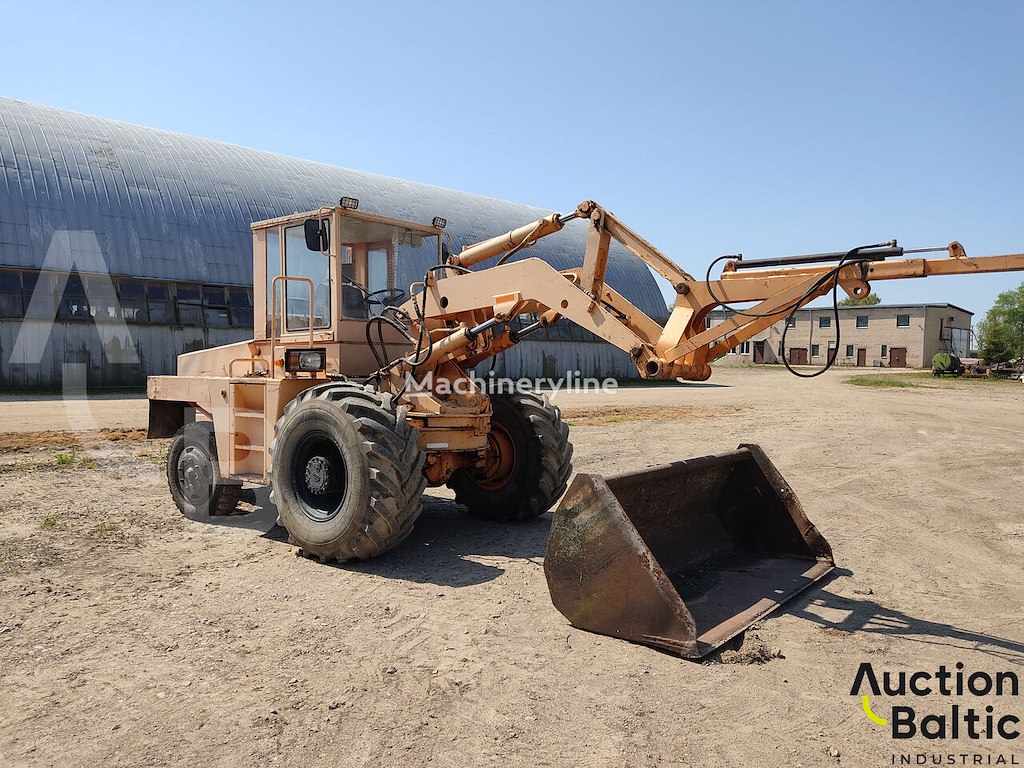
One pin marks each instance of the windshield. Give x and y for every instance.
(371, 253)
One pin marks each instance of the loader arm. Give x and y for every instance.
(467, 311)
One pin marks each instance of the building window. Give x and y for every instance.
(902, 321)
(43, 298)
(132, 295)
(215, 307)
(862, 321)
(885, 350)
(815, 350)
(158, 301)
(745, 348)
(849, 350)
(707, 321)
(11, 304)
(240, 301)
(791, 322)
(190, 305)
(73, 304)
(825, 321)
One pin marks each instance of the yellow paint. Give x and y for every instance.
(871, 715)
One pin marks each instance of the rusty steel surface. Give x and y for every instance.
(682, 556)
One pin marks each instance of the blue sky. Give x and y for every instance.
(767, 128)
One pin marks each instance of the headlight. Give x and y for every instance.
(307, 360)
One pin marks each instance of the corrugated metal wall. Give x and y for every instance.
(173, 207)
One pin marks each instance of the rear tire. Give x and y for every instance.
(530, 460)
(347, 472)
(193, 474)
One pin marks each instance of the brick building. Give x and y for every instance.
(887, 335)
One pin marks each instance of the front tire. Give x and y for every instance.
(347, 472)
(529, 461)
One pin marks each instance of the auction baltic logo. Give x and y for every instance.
(992, 724)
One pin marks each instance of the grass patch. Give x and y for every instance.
(107, 529)
(882, 381)
(927, 380)
(85, 461)
(53, 522)
(158, 456)
(22, 465)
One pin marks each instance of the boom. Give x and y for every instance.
(464, 300)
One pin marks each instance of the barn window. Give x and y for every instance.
(240, 301)
(190, 305)
(132, 295)
(215, 307)
(73, 304)
(11, 304)
(158, 302)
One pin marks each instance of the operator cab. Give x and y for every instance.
(324, 267)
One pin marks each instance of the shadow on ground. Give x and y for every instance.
(868, 616)
(447, 547)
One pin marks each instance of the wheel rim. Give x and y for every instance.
(320, 475)
(501, 459)
(195, 474)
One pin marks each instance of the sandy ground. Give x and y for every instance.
(130, 636)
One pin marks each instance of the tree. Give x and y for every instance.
(1001, 333)
(867, 301)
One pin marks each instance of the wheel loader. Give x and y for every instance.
(355, 393)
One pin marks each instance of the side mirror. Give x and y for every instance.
(317, 237)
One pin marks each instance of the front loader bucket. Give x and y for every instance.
(683, 556)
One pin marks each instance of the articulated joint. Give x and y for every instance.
(677, 369)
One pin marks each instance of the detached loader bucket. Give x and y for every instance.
(683, 556)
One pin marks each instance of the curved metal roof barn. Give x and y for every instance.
(167, 216)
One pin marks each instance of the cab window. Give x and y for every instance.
(302, 262)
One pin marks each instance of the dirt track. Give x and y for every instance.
(129, 636)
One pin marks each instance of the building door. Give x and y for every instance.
(798, 356)
(897, 357)
(862, 357)
(758, 352)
